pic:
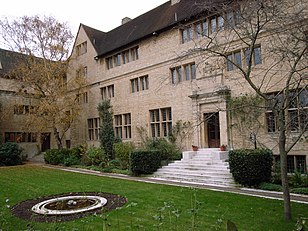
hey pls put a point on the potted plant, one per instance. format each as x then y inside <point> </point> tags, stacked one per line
<point>194,148</point>
<point>223,147</point>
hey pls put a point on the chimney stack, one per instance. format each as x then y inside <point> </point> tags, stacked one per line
<point>174,2</point>
<point>125,20</point>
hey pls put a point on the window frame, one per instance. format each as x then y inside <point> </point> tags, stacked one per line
<point>256,60</point>
<point>82,98</point>
<point>123,126</point>
<point>93,128</point>
<point>107,92</point>
<point>160,122</point>
<point>21,137</point>
<point>232,61</point>
<point>139,84</point>
<point>185,72</point>
<point>187,33</point>
<point>81,48</point>
<point>298,120</point>
<point>123,57</point>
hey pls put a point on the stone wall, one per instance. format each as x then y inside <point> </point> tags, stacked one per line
<point>189,100</point>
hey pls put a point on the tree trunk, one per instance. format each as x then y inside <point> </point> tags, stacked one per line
<point>57,137</point>
<point>284,168</point>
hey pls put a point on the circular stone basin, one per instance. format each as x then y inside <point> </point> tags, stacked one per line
<point>69,205</point>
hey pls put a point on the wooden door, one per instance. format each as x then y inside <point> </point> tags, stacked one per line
<point>213,129</point>
<point>45,141</point>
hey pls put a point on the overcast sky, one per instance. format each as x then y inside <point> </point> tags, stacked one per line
<point>103,15</point>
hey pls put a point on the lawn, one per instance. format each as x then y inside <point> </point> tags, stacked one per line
<point>149,207</point>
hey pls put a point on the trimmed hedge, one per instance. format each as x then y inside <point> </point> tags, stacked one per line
<point>250,167</point>
<point>144,161</point>
<point>10,154</point>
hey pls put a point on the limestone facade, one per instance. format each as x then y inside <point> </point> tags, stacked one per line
<point>142,80</point>
<point>201,96</point>
<point>14,111</point>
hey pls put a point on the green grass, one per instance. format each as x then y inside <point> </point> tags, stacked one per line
<point>248,213</point>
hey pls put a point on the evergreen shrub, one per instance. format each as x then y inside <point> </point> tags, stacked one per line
<point>71,156</point>
<point>64,156</point>
<point>10,154</point>
<point>250,167</point>
<point>53,156</point>
<point>106,134</point>
<point>144,161</point>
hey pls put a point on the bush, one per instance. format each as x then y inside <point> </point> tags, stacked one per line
<point>64,156</point>
<point>114,163</point>
<point>300,190</point>
<point>168,150</point>
<point>299,180</point>
<point>10,154</point>
<point>122,152</point>
<point>276,174</point>
<point>95,156</point>
<point>250,167</point>
<point>71,156</point>
<point>144,161</point>
<point>270,187</point>
<point>53,156</point>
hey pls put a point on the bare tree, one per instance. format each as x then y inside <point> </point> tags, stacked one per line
<point>41,73</point>
<point>239,36</point>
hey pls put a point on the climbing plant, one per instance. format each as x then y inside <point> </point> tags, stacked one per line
<point>245,111</point>
<point>181,132</point>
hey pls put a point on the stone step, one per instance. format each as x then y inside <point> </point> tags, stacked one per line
<point>206,155</point>
<point>209,157</point>
<point>208,150</point>
<point>201,168</point>
<point>204,167</point>
<point>197,169</point>
<point>214,182</point>
<point>203,176</point>
<point>205,162</point>
<point>189,171</point>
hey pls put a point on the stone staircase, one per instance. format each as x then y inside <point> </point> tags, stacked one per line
<point>204,167</point>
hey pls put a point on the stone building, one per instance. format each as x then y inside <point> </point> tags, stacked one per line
<point>155,73</point>
<point>177,62</point>
<point>15,108</point>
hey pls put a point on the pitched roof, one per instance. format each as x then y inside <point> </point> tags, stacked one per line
<point>9,60</point>
<point>158,19</point>
<point>96,36</point>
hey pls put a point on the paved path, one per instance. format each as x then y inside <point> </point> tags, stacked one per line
<point>244,191</point>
